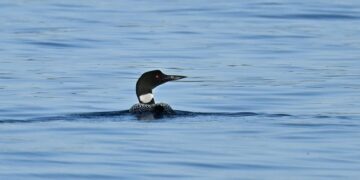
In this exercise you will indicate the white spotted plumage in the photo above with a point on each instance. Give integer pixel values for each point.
(142, 108)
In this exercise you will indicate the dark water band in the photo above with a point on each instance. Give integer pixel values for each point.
(125, 115)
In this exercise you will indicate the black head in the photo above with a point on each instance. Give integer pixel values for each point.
(151, 79)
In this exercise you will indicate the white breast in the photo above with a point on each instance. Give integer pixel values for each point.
(146, 98)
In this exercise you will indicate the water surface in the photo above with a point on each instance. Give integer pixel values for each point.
(273, 89)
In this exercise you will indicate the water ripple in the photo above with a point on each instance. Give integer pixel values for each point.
(312, 16)
(125, 115)
(55, 44)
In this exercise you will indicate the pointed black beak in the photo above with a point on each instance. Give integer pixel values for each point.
(173, 77)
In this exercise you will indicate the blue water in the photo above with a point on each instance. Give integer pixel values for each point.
(273, 89)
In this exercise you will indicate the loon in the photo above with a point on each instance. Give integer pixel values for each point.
(147, 108)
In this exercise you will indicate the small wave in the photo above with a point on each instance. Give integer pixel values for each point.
(55, 44)
(312, 16)
(124, 115)
(179, 113)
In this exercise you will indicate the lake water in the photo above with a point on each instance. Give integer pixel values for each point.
(273, 89)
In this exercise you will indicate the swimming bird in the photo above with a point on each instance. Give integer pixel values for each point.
(147, 108)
